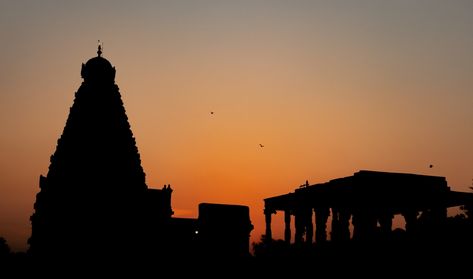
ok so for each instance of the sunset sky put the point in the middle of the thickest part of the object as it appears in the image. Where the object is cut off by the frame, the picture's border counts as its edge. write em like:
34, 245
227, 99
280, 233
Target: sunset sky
328, 87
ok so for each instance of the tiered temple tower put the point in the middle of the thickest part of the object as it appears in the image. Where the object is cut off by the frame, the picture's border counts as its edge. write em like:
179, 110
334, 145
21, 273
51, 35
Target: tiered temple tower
94, 203
93, 199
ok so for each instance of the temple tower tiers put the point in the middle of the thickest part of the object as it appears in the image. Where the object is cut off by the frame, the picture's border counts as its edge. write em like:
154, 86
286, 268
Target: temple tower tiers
90, 198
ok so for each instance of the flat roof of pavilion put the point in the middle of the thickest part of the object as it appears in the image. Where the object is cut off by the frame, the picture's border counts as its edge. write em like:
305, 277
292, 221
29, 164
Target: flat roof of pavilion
373, 189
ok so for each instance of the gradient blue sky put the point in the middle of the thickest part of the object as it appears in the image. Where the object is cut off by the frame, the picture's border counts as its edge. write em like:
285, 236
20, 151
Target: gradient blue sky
329, 87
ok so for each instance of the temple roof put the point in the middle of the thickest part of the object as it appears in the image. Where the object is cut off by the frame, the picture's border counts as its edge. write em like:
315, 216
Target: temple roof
373, 189
92, 197
97, 144
98, 69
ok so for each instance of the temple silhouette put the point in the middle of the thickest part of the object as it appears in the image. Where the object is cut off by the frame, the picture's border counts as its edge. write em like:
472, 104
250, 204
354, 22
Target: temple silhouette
94, 204
94, 201
370, 199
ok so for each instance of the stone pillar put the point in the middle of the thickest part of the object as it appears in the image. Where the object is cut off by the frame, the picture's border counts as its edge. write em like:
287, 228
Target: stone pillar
365, 225
299, 220
340, 224
321, 216
356, 225
386, 223
267, 215
439, 213
309, 226
287, 226
436, 227
335, 234
344, 224
411, 220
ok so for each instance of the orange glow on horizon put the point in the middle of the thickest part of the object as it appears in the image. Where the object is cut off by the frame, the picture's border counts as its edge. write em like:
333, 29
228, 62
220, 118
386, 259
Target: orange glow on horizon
328, 90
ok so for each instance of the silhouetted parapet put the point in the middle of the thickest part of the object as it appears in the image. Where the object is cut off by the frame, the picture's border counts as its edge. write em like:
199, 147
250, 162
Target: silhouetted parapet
159, 226
224, 230
158, 203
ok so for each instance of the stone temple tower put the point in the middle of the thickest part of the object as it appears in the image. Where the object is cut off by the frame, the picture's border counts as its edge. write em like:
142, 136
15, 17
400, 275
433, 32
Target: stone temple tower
91, 201
94, 204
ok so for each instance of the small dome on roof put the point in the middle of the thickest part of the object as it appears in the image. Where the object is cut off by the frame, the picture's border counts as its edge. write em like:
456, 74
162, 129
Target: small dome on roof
98, 70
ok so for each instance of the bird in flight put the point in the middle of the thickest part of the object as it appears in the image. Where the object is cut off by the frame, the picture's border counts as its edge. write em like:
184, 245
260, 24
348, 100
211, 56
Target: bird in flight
431, 166
211, 112
260, 145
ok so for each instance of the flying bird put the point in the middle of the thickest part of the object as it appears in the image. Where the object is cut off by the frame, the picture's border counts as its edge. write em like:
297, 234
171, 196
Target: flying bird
260, 145
431, 166
211, 112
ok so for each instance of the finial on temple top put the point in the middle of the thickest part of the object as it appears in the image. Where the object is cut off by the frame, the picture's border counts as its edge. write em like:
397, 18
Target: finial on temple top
99, 51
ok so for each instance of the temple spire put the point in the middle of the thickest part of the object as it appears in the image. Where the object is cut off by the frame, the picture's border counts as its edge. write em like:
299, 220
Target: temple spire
99, 50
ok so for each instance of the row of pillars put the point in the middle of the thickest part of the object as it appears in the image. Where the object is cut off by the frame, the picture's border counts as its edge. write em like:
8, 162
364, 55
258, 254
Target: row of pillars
365, 224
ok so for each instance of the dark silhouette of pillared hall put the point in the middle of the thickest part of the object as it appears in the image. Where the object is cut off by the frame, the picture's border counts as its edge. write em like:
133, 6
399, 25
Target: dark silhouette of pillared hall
354, 225
94, 203
370, 199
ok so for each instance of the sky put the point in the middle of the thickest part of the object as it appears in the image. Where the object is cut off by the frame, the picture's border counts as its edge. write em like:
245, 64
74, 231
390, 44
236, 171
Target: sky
328, 87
